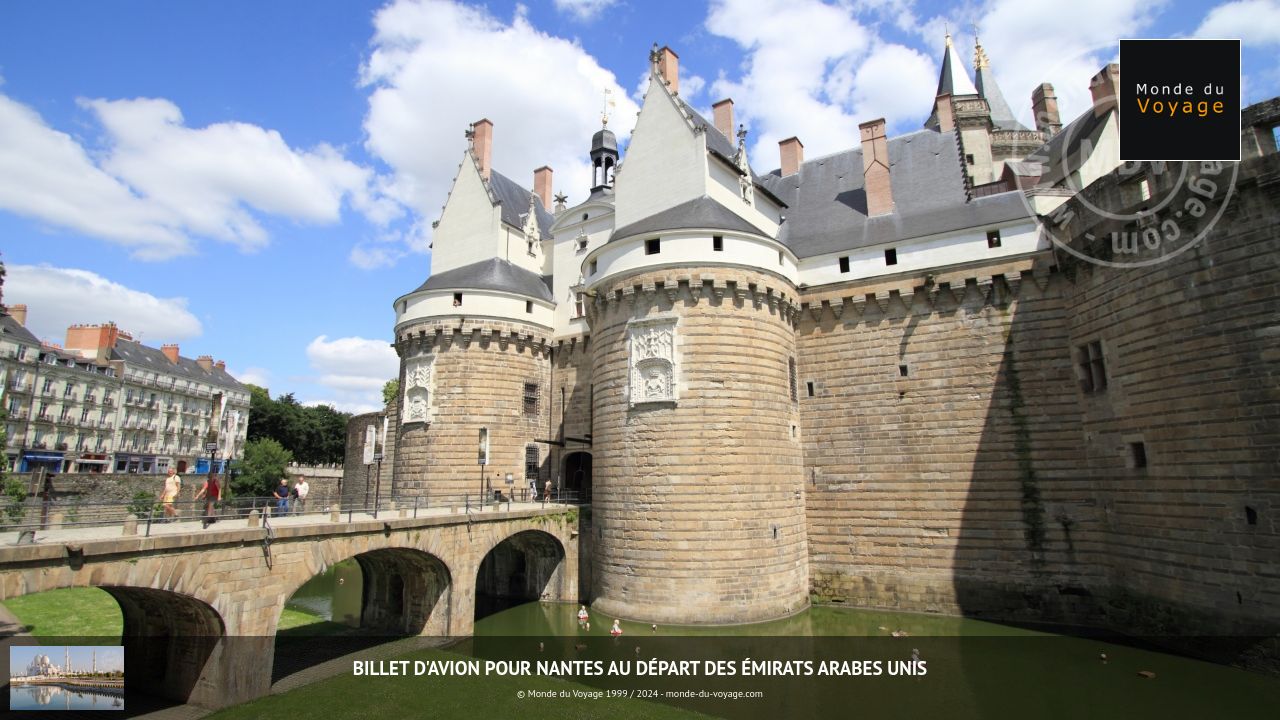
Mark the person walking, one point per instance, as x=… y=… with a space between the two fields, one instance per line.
x=282 y=497
x=172 y=486
x=546 y=492
x=210 y=491
x=300 y=490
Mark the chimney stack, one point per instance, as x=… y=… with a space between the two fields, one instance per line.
x=221 y=365
x=482 y=144
x=93 y=340
x=205 y=362
x=171 y=352
x=669 y=68
x=542 y=186
x=875 y=168
x=942 y=108
x=722 y=115
x=19 y=313
x=792 y=151
x=1044 y=106
x=1105 y=87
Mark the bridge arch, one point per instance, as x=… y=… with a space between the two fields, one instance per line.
x=169 y=639
x=526 y=566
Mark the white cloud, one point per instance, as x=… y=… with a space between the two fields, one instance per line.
x=60 y=297
x=252 y=376
x=156 y=183
x=352 y=370
x=1028 y=46
x=438 y=66
x=815 y=71
x=1256 y=22
x=583 y=10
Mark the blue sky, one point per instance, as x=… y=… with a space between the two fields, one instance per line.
x=109 y=657
x=256 y=181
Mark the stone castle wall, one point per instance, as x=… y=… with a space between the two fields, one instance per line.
x=698 y=504
x=478 y=378
x=570 y=404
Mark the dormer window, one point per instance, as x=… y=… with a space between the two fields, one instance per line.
x=652 y=247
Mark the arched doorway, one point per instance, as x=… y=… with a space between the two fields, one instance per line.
x=577 y=475
x=518 y=570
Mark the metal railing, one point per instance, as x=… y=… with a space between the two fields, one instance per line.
x=38 y=514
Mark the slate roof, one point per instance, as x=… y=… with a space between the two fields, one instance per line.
x=137 y=354
x=13 y=329
x=515 y=203
x=1001 y=116
x=1063 y=149
x=829 y=205
x=492 y=274
x=725 y=149
x=949 y=83
x=702 y=212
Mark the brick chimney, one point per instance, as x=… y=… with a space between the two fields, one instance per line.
x=482 y=145
x=792 y=151
x=221 y=365
x=205 y=362
x=942 y=108
x=542 y=186
x=92 y=340
x=722 y=115
x=1105 y=87
x=171 y=352
x=19 y=313
x=1044 y=106
x=669 y=68
x=875 y=168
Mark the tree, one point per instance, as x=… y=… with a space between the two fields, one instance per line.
x=314 y=434
x=390 y=391
x=259 y=473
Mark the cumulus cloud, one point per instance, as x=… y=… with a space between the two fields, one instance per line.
x=155 y=184
x=252 y=376
x=352 y=370
x=583 y=10
x=815 y=71
x=60 y=297
x=1256 y=22
x=1028 y=46
x=435 y=67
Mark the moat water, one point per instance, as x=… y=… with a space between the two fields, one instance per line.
x=974 y=668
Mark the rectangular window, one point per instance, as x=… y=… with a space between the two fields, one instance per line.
x=791 y=367
x=594 y=266
x=968 y=159
x=903 y=370
x=530 y=399
x=528 y=306
x=457 y=299
x=717 y=243
x=531 y=464
x=578 y=307
x=1138 y=455
x=891 y=256
x=652 y=247
x=844 y=264
x=809 y=387
x=993 y=238
x=1091 y=368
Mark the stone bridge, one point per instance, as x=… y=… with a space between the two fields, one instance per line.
x=201 y=609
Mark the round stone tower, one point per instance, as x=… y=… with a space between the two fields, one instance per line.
x=698 y=497
x=474 y=383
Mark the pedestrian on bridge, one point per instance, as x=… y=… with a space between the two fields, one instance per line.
x=300 y=490
x=282 y=497
x=210 y=491
x=172 y=485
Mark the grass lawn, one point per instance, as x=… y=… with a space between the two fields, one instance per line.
x=348 y=696
x=71 y=612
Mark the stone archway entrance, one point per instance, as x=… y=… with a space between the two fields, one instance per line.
x=577 y=475
x=520 y=569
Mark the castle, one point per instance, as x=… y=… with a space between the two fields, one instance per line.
x=869 y=377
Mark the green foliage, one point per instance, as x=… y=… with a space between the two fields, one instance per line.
x=69 y=613
x=314 y=434
x=142 y=503
x=15 y=493
x=260 y=471
x=390 y=391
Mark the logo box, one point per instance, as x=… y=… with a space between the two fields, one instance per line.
x=1179 y=100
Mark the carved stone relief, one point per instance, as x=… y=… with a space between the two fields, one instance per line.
x=653 y=360
x=417 y=390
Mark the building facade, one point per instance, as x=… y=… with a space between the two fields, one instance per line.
x=867 y=377
x=103 y=402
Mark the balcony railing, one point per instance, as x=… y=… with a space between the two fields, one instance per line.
x=19 y=386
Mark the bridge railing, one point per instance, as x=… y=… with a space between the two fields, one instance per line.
x=147 y=514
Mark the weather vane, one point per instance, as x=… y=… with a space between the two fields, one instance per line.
x=608 y=103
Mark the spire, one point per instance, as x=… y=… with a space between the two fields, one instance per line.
x=1001 y=116
x=952 y=80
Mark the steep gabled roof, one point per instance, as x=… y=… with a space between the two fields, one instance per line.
x=829 y=203
x=135 y=353
x=514 y=200
x=492 y=274
x=1001 y=116
x=952 y=80
x=14 y=330
x=724 y=148
x=702 y=212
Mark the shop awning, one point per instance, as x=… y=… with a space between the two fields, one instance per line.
x=43 y=456
x=83 y=461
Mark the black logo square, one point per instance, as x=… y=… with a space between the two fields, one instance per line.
x=1178 y=99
